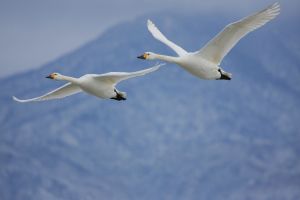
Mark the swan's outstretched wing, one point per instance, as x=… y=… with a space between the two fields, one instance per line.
x=61 y=92
x=159 y=36
x=216 y=49
x=116 y=77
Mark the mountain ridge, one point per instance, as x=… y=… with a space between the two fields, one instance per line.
x=175 y=137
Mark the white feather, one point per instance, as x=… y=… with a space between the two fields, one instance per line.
x=217 y=48
x=100 y=85
x=159 y=36
x=205 y=62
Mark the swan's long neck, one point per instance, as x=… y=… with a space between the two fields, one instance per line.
x=69 y=79
x=170 y=59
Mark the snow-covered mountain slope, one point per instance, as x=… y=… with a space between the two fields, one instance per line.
x=176 y=137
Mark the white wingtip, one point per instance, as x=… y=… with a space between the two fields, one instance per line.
x=150 y=25
x=22 y=101
x=149 y=22
x=155 y=32
x=157 y=66
x=274 y=8
x=16 y=99
x=276 y=4
x=153 y=68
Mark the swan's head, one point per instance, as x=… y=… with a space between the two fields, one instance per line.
x=55 y=76
x=147 y=56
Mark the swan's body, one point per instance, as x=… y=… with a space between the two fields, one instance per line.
x=99 y=85
x=205 y=63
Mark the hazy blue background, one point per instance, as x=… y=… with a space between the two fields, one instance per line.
x=34 y=32
x=176 y=136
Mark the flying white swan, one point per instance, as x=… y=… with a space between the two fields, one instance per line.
x=100 y=85
x=205 y=63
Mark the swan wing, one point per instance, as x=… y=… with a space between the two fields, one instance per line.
x=159 y=36
x=61 y=92
x=217 y=48
x=116 y=77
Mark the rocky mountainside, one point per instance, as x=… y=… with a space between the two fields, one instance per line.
x=175 y=137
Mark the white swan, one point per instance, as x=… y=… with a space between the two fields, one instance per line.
x=205 y=62
x=100 y=85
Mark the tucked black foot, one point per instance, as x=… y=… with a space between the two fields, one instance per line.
x=223 y=76
x=118 y=97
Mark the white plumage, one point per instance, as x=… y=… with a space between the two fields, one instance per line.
x=205 y=62
x=100 y=85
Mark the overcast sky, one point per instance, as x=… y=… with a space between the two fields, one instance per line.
x=34 y=32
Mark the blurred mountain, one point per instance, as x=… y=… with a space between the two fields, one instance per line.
x=176 y=136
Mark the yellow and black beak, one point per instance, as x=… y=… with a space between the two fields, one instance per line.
x=51 y=76
x=144 y=56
